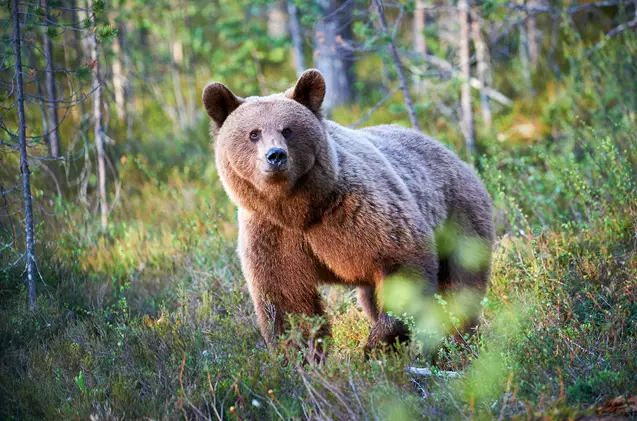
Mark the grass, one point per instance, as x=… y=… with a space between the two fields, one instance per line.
x=153 y=320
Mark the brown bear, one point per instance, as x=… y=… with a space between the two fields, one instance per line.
x=322 y=203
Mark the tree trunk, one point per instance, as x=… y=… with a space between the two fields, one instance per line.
x=41 y=101
x=297 y=38
x=118 y=76
x=189 y=74
x=53 y=135
x=531 y=31
x=332 y=56
x=277 y=25
x=524 y=58
x=465 y=69
x=24 y=161
x=399 y=67
x=177 y=51
x=97 y=117
x=482 y=59
x=128 y=85
x=419 y=42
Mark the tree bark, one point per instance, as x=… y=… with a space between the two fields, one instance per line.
x=525 y=66
x=482 y=59
x=128 y=86
x=465 y=69
x=332 y=57
x=531 y=31
x=41 y=101
x=297 y=39
x=53 y=134
x=118 y=76
x=399 y=68
x=97 y=123
x=24 y=162
x=419 y=41
x=177 y=52
x=189 y=73
x=276 y=24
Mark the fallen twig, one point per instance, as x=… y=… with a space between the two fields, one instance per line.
x=426 y=372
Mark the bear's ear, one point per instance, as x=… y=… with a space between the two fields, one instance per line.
x=219 y=102
x=309 y=90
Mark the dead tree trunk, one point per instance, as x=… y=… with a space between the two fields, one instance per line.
x=465 y=69
x=399 y=67
x=97 y=123
x=53 y=135
x=297 y=39
x=482 y=59
x=24 y=161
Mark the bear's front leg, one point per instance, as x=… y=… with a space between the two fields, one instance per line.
x=282 y=277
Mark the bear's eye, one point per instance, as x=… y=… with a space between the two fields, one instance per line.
x=254 y=135
x=286 y=132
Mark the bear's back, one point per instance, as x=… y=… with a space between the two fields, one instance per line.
x=438 y=181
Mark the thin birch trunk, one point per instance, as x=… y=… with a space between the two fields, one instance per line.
x=24 y=162
x=465 y=69
x=97 y=124
x=399 y=68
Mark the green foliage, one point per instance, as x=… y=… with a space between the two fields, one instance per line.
x=106 y=33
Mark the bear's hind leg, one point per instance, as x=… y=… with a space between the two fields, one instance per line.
x=465 y=287
x=388 y=331
x=385 y=329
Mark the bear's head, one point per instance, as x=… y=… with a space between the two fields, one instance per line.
x=270 y=142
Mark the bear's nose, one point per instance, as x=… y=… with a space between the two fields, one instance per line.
x=277 y=156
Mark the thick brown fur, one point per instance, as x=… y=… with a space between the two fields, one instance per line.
x=350 y=206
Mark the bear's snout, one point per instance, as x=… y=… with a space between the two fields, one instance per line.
x=277 y=157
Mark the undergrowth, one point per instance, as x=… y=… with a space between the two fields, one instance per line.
x=153 y=320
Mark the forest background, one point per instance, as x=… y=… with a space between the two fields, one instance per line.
x=121 y=295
